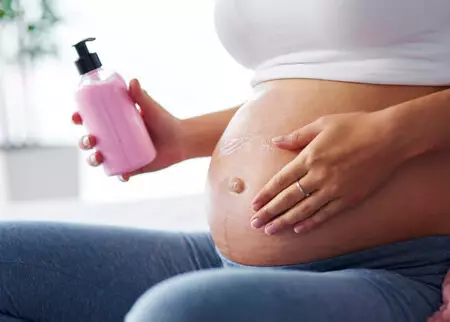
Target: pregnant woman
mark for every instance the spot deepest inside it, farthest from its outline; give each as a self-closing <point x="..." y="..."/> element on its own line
<point x="328" y="189"/>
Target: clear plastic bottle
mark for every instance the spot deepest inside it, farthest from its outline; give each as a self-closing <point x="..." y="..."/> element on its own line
<point x="110" y="115"/>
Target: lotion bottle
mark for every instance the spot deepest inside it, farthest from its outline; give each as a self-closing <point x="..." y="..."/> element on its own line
<point x="110" y="115"/>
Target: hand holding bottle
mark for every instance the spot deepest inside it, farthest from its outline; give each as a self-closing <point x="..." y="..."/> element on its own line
<point x="164" y="129"/>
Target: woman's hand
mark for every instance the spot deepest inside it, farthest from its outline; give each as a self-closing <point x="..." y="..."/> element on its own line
<point x="443" y="315"/>
<point x="345" y="157"/>
<point x="164" y="129"/>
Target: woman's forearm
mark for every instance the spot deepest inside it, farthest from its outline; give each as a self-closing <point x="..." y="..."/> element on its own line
<point x="421" y="125"/>
<point x="201" y="133"/>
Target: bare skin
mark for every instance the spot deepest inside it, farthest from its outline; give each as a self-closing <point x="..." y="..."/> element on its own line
<point x="400" y="210"/>
<point x="244" y="160"/>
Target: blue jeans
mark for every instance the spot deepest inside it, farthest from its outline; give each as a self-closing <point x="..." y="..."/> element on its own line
<point x="76" y="273"/>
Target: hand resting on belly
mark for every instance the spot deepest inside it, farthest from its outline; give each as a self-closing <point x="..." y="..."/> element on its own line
<point x="398" y="211"/>
<point x="342" y="159"/>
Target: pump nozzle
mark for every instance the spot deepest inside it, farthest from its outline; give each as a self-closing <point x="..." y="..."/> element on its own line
<point x="87" y="61"/>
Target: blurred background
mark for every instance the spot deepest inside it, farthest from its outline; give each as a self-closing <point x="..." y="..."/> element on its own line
<point x="170" y="45"/>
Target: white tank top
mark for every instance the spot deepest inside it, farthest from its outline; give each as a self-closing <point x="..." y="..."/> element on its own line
<point x="366" y="41"/>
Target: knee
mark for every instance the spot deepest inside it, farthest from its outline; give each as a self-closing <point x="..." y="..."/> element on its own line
<point x="193" y="297"/>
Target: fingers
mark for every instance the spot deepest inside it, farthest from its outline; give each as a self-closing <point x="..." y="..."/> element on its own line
<point x="299" y="212"/>
<point x="135" y="90"/>
<point x="149" y="109"/>
<point x="87" y="142"/>
<point x="284" y="201"/>
<point x="327" y="211"/>
<point x="76" y="118"/>
<point x="287" y="176"/>
<point x="95" y="159"/>
<point x="126" y="176"/>
<point x="299" y="138"/>
<point x="140" y="96"/>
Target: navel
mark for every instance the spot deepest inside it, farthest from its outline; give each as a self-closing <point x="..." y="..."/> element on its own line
<point x="237" y="185"/>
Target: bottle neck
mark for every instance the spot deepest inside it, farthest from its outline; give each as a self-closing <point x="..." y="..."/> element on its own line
<point x="95" y="74"/>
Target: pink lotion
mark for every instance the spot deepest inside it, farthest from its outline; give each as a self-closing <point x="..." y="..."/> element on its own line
<point x="110" y="115"/>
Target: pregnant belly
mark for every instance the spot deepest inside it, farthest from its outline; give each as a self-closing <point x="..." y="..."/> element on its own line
<point x="413" y="203"/>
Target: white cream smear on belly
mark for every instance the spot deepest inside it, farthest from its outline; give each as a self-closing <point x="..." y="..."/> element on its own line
<point x="230" y="146"/>
<point x="268" y="146"/>
<point x="233" y="145"/>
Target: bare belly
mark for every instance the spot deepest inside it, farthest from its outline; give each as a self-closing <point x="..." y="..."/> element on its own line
<point x="413" y="203"/>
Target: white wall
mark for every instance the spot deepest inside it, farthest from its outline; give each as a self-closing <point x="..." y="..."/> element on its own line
<point x="39" y="173"/>
<point x="4" y="194"/>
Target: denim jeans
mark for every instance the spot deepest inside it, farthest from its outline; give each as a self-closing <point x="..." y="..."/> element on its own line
<point x="66" y="273"/>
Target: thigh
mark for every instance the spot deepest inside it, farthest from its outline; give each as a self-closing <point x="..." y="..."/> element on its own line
<point x="273" y="295"/>
<point x="4" y="318"/>
<point x="60" y="272"/>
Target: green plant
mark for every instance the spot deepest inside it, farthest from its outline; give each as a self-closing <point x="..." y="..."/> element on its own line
<point x="35" y="35"/>
<point x="29" y="28"/>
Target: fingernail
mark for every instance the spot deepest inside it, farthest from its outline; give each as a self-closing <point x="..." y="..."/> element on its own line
<point x="256" y="223"/>
<point x="75" y="119"/>
<point x="124" y="177"/>
<point x="300" y="229"/>
<point x="93" y="160"/>
<point x="256" y="206"/>
<point x="270" y="229"/>
<point x="86" y="142"/>
<point x="278" y="139"/>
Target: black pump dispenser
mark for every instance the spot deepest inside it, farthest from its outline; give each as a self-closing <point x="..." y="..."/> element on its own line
<point x="87" y="61"/>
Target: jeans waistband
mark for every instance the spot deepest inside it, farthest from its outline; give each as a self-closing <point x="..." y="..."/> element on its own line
<point x="428" y="255"/>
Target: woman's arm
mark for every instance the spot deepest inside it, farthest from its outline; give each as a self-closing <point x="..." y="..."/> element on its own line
<point x="201" y="133"/>
<point x="421" y="125"/>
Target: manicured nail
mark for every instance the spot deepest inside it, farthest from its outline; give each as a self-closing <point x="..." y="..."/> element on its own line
<point x="278" y="139"/>
<point x="300" y="229"/>
<point x="270" y="229"/>
<point x="124" y="177"/>
<point x="256" y="205"/>
<point x="256" y="223"/>
<point x="93" y="160"/>
<point x="87" y="142"/>
<point x="75" y="119"/>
